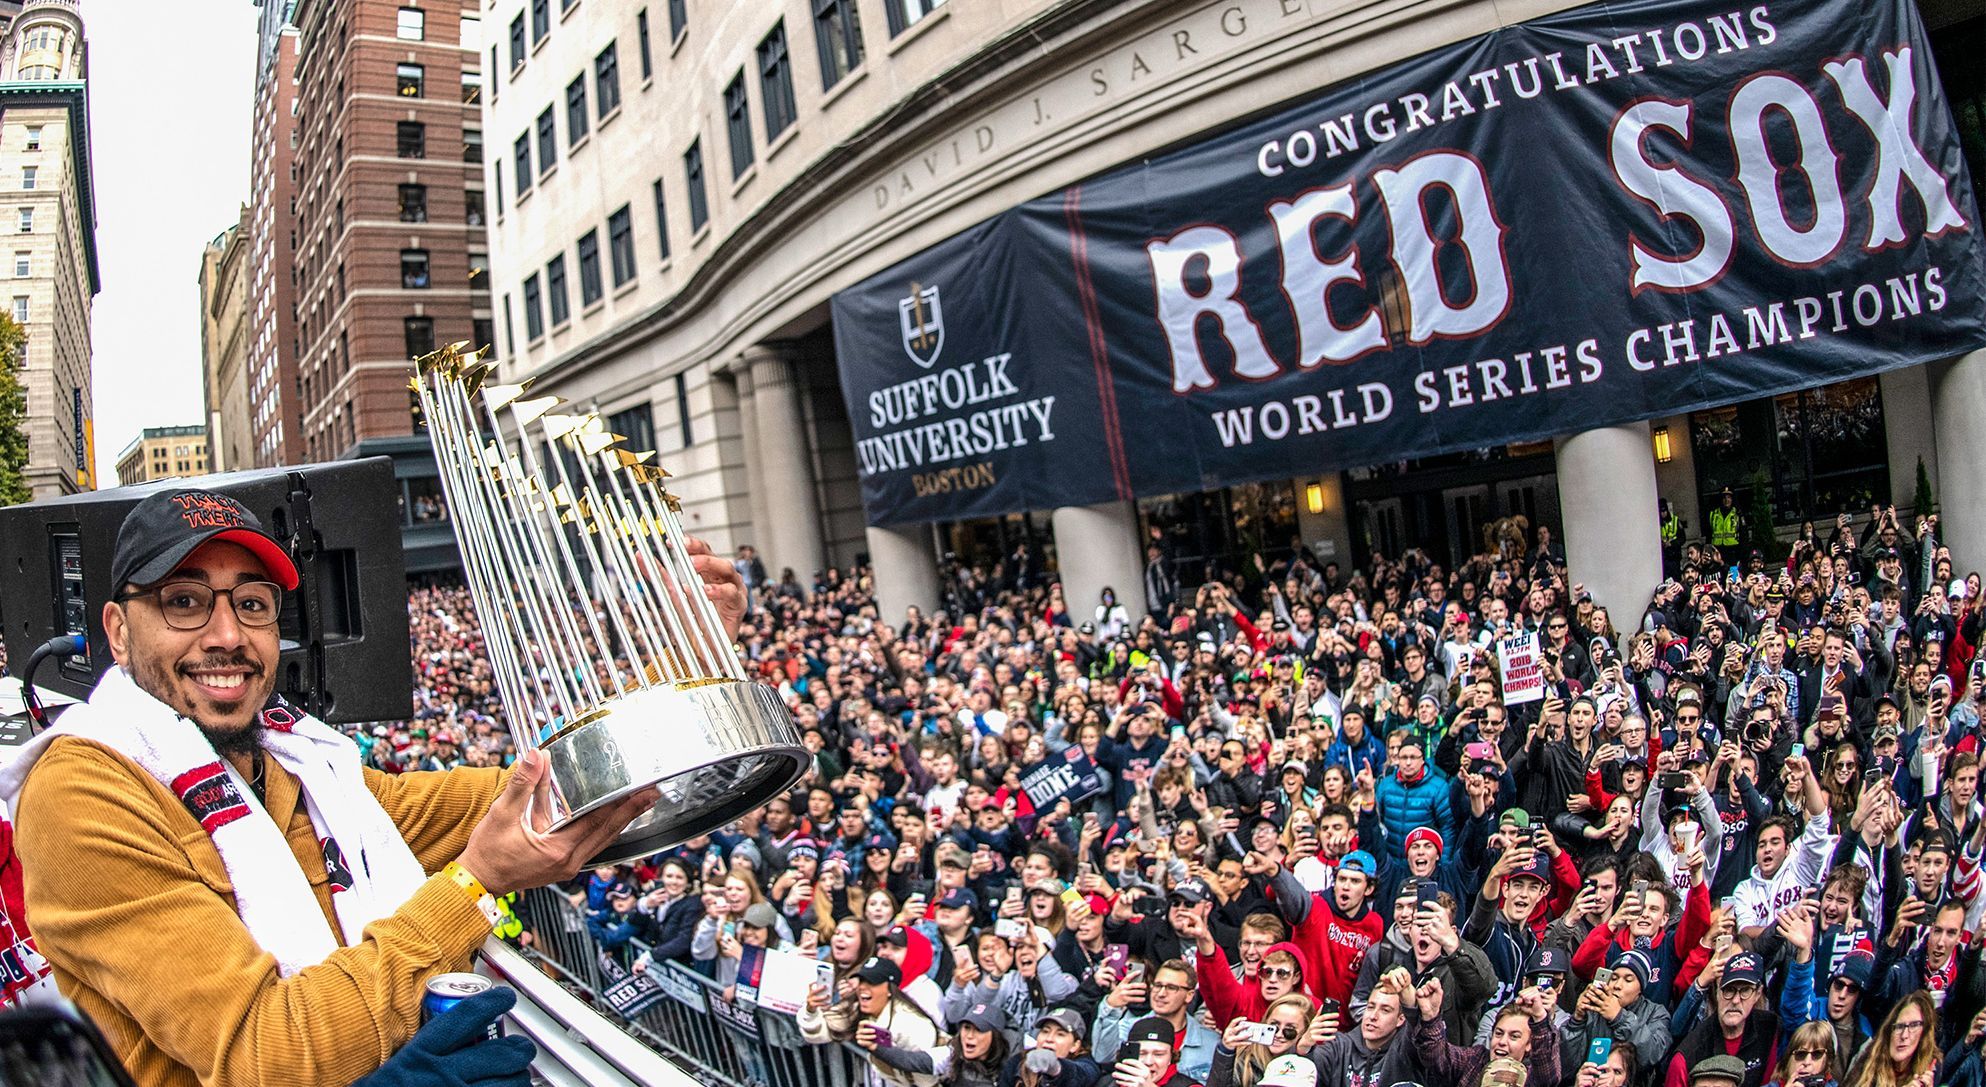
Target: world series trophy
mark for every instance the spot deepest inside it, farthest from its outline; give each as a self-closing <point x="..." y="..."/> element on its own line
<point x="576" y="564"/>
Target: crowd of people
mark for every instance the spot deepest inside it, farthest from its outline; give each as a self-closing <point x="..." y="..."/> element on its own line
<point x="1734" y="841"/>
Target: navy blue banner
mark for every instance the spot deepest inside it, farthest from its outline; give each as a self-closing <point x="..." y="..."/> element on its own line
<point x="1623" y="211"/>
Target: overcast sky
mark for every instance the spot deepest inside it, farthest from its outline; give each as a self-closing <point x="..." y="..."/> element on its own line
<point x="171" y="96"/>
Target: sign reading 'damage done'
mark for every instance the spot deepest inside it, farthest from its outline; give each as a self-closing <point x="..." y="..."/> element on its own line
<point x="1622" y="211"/>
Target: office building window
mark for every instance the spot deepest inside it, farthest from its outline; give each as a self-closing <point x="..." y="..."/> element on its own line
<point x="472" y="207"/>
<point x="738" y="124"/>
<point x="620" y="244"/>
<point x="411" y="80"/>
<point x="471" y="34"/>
<point x="493" y="70"/>
<point x="472" y="87"/>
<point x="23" y="264"/>
<point x="548" y="142"/>
<point x="20" y="309"/>
<point x="534" y="315"/>
<point x="420" y="336"/>
<point x="693" y="173"/>
<point x="517" y="42"/>
<point x="413" y="203"/>
<point x="523" y="158"/>
<point x="661" y="220"/>
<point x="575" y="110"/>
<point x="541" y="20"/>
<point x="412" y="139"/>
<point x="482" y="332"/>
<point x="472" y="145"/>
<point x="637" y="425"/>
<point x="903" y="14"/>
<point x="479" y="274"/>
<point x="413" y="25"/>
<point x="34" y="137"/>
<point x="607" y="81"/>
<point x="28" y="176"/>
<point x="838" y="35"/>
<point x="641" y="36"/>
<point x="679" y="18"/>
<point x="776" y="82"/>
<point x="414" y="269"/>
<point x="555" y="290"/>
<point x="496" y="176"/>
<point x="27" y="221"/>
<point x="509" y="330"/>
<point x="683" y="410"/>
<point x="589" y="268"/>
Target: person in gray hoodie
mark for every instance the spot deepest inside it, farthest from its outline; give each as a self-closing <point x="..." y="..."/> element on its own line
<point x="1381" y="1051"/>
<point x="1615" y="1008"/>
<point x="1424" y="941"/>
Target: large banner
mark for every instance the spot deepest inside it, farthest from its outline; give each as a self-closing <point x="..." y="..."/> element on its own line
<point x="1622" y="211"/>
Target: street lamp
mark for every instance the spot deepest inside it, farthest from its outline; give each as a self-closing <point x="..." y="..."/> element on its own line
<point x="1664" y="453"/>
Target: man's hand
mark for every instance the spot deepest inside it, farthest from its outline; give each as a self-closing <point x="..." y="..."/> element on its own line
<point x="1428" y="998"/>
<point x="721" y="583"/>
<point x="452" y="1050"/>
<point x="514" y="847"/>
<point x="1126" y="993"/>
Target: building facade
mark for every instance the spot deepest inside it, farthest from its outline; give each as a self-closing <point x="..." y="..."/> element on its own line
<point x="390" y="252"/>
<point x="164" y="452"/>
<point x="224" y="334"/>
<point x="678" y="189"/>
<point x="49" y="209"/>
<point x="275" y="417"/>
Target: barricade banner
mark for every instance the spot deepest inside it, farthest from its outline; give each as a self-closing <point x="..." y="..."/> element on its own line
<point x="1616" y="212"/>
<point x="627" y="992"/>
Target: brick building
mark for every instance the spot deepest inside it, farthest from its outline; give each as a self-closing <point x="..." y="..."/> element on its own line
<point x="275" y="417"/>
<point x="390" y="250"/>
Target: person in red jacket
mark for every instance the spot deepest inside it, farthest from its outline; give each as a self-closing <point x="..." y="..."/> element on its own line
<point x="1284" y="969"/>
<point x="1334" y="930"/>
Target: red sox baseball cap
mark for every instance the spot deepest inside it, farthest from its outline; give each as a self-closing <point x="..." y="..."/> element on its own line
<point x="165" y="527"/>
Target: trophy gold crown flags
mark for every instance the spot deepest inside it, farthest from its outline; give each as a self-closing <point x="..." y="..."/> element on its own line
<point x="607" y="652"/>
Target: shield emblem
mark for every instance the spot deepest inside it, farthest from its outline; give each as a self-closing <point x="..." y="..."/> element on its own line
<point x="923" y="322"/>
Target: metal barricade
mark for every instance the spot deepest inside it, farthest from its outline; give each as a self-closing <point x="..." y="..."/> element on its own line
<point x="721" y="1043"/>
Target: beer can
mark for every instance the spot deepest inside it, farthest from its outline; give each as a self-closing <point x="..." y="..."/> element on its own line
<point x="444" y="991"/>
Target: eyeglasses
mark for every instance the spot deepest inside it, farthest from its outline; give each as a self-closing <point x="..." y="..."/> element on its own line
<point x="1907" y="1028"/>
<point x="1809" y="1054"/>
<point x="188" y="605"/>
<point x="1279" y="973"/>
<point x="1169" y="987"/>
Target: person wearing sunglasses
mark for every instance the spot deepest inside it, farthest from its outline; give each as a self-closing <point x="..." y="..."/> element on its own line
<point x="1242" y="1058"/>
<point x="1807" y="1059"/>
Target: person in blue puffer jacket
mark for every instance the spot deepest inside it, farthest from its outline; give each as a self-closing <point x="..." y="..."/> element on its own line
<point x="1412" y="794"/>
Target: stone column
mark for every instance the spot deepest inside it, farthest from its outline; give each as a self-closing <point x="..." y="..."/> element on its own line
<point x="1958" y="410"/>
<point x="906" y="570"/>
<point x="791" y="533"/>
<point x="1097" y="546"/>
<point x="755" y="485"/>
<point x="1606" y="493"/>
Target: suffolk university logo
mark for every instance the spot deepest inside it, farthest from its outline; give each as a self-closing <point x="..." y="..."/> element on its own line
<point x="923" y="323"/>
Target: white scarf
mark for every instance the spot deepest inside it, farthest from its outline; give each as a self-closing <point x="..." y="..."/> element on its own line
<point x="372" y="871"/>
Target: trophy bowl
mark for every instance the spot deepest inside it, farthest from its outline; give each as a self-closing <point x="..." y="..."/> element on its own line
<point x="716" y="750"/>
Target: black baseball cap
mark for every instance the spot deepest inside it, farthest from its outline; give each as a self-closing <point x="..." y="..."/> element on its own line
<point x="1152" y="1029"/>
<point x="165" y="527"/>
<point x="878" y="971"/>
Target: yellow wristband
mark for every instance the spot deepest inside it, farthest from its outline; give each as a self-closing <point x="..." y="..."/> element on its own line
<point x="470" y="885"/>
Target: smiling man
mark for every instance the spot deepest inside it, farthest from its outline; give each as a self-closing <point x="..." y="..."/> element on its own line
<point x="216" y="880"/>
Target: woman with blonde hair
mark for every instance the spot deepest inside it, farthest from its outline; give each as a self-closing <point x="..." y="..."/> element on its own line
<point x="1239" y="1060"/>
<point x="1904" y="1051"/>
<point x="1809" y="1052"/>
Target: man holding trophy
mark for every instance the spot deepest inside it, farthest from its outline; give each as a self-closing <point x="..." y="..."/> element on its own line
<point x="233" y="899"/>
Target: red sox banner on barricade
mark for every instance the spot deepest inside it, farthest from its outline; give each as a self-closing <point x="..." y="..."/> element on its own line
<point x="1622" y="211"/>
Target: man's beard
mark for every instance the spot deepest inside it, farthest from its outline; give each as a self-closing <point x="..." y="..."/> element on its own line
<point x="160" y="679"/>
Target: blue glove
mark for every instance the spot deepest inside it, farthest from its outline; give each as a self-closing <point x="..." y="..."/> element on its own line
<point x="453" y="1051"/>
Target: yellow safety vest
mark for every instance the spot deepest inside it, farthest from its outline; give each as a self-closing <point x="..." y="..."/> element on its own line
<point x="1724" y="527"/>
<point x="1671" y="528"/>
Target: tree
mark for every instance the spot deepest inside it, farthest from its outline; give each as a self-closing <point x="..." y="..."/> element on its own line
<point x="13" y="416"/>
<point x="1922" y="501"/>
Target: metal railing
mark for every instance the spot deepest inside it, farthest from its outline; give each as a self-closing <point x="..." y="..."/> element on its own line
<point x="682" y="1015"/>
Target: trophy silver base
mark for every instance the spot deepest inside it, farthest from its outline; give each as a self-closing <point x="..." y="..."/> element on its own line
<point x="716" y="749"/>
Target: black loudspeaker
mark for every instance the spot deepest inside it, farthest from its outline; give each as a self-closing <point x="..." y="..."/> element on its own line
<point x="344" y="631"/>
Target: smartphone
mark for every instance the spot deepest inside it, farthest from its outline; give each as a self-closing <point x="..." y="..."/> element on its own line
<point x="1481" y="752"/>
<point x="824" y="976"/>
<point x="1007" y="928"/>
<point x="1070" y="897"/>
<point x="1639" y="889"/>
<point x="1547" y="984"/>
<point x="1428" y="893"/>
<point x="1599" y="1049"/>
<point x="54" y="1043"/>
<point x="1116" y="956"/>
<point x="1013" y="892"/>
<point x="1602" y="975"/>
<point x="1134" y="973"/>
<point x="1330" y="1007"/>
<point x="1260" y="1033"/>
<point x="1674" y="779"/>
<point x="1722" y="942"/>
<point x="1538" y="835"/>
<point x="882" y="1036"/>
<point x="1799" y="751"/>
